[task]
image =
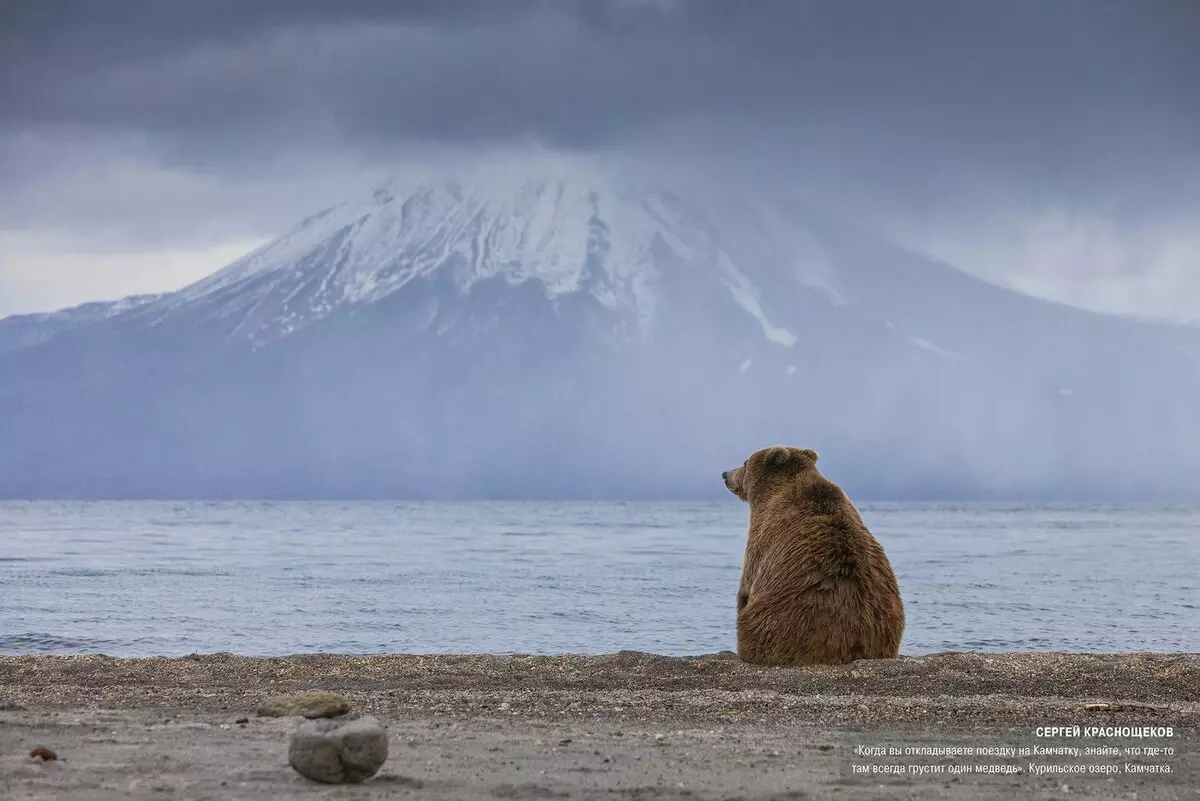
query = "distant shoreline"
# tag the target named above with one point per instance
(1185, 502)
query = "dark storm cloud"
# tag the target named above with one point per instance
(917, 101)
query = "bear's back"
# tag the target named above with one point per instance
(813, 522)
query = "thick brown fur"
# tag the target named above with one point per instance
(816, 587)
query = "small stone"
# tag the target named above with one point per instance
(309, 704)
(242, 721)
(337, 751)
(43, 753)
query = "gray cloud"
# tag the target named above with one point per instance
(887, 109)
(1020, 85)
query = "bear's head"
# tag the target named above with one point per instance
(768, 469)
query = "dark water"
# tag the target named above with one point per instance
(274, 578)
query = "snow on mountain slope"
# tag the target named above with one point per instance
(26, 330)
(559, 328)
(567, 225)
(593, 239)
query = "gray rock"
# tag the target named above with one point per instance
(309, 704)
(338, 751)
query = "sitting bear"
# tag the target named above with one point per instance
(816, 587)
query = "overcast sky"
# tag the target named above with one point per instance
(1053, 145)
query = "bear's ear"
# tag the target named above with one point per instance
(809, 454)
(777, 456)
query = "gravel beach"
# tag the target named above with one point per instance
(625, 725)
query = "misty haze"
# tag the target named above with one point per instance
(543, 327)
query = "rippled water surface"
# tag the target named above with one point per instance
(274, 578)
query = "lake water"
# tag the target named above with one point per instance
(135, 579)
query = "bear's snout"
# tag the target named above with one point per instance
(733, 481)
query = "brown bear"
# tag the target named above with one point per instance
(816, 587)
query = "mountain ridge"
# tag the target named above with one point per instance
(581, 334)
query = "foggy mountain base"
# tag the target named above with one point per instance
(559, 338)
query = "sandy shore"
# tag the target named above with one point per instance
(626, 725)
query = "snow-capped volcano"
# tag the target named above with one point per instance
(569, 227)
(563, 328)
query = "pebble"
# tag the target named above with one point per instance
(308, 704)
(338, 751)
